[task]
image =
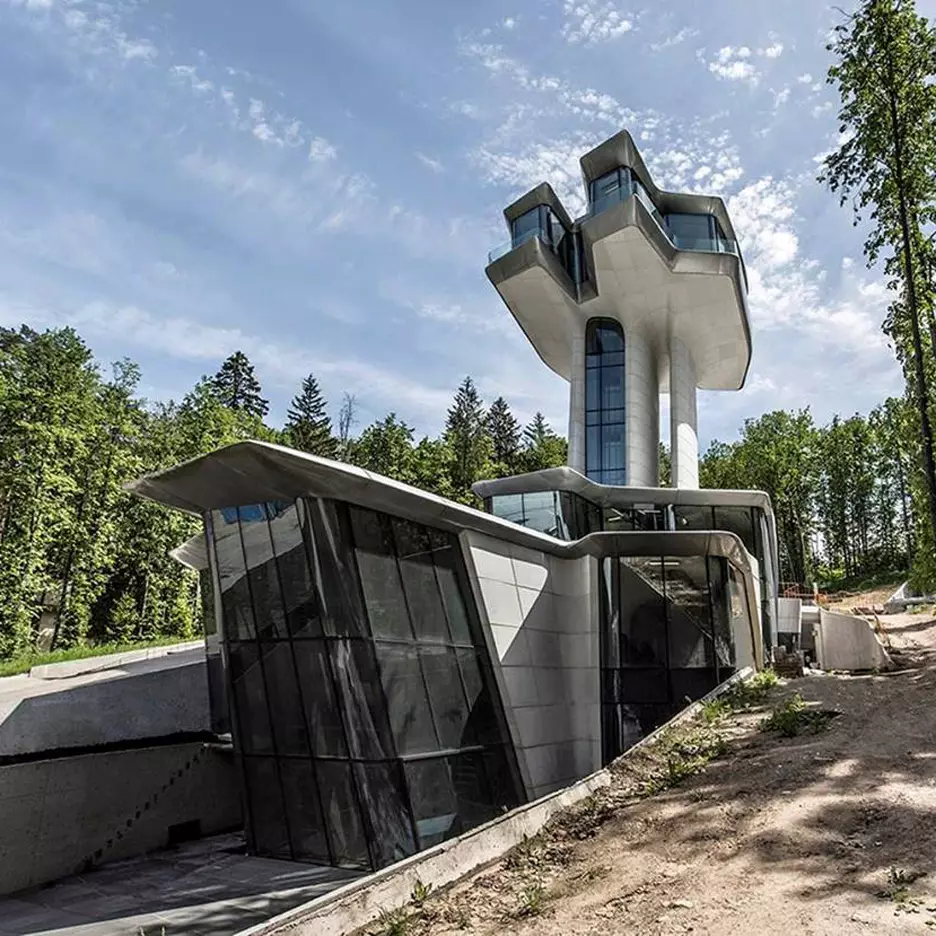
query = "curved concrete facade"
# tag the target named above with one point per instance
(680, 300)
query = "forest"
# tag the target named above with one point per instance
(82, 561)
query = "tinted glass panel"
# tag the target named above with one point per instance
(433, 797)
(472, 794)
(323, 716)
(605, 457)
(267, 819)
(383, 798)
(405, 690)
(250, 699)
(301, 605)
(303, 811)
(419, 581)
(446, 695)
(285, 703)
(740, 521)
(342, 814)
(380, 575)
(363, 708)
(445, 559)
(482, 726)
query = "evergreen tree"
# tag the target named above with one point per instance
(504, 430)
(386, 447)
(236, 386)
(307, 424)
(466, 433)
(542, 448)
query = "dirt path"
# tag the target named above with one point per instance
(786, 836)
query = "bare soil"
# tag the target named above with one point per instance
(786, 836)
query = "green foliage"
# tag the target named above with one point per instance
(752, 692)
(505, 438)
(468, 438)
(393, 923)
(683, 754)
(308, 427)
(792, 716)
(885, 73)
(542, 448)
(531, 900)
(420, 893)
(236, 387)
(26, 661)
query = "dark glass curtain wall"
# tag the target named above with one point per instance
(665, 639)
(365, 712)
(604, 402)
(562, 514)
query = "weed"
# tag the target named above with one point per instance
(531, 900)
(420, 893)
(792, 717)
(753, 692)
(684, 755)
(898, 891)
(715, 710)
(526, 854)
(392, 923)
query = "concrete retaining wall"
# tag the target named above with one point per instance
(56, 814)
(844, 642)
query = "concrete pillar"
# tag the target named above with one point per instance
(642, 415)
(684, 433)
(577, 400)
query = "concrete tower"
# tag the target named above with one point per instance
(645, 293)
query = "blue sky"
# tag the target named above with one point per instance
(318, 185)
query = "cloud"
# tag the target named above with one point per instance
(773, 51)
(430, 163)
(676, 39)
(591, 21)
(320, 150)
(509, 22)
(737, 63)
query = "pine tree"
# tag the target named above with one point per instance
(237, 388)
(542, 447)
(307, 424)
(504, 430)
(466, 433)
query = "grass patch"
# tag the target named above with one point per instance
(392, 923)
(683, 755)
(792, 717)
(25, 662)
(531, 900)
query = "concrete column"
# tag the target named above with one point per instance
(684, 433)
(577, 400)
(642, 415)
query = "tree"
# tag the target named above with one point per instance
(237, 388)
(504, 430)
(466, 433)
(666, 467)
(386, 447)
(307, 424)
(542, 448)
(885, 69)
(346, 419)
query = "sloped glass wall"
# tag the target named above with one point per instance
(365, 713)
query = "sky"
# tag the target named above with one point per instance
(318, 184)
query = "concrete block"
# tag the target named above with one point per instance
(501, 602)
(493, 562)
(520, 685)
(508, 643)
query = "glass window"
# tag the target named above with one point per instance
(508, 507)
(691, 517)
(407, 705)
(253, 720)
(605, 416)
(318, 697)
(482, 726)
(267, 819)
(363, 707)
(444, 555)
(383, 798)
(287, 713)
(342, 814)
(527, 225)
(692, 231)
(443, 681)
(737, 520)
(380, 575)
(433, 796)
(419, 581)
(303, 810)
(300, 602)
(333, 567)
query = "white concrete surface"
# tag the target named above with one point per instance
(57, 814)
(844, 642)
(577, 397)
(149, 698)
(544, 644)
(204, 888)
(68, 668)
(789, 613)
(684, 420)
(642, 413)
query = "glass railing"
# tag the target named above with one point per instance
(516, 242)
(707, 244)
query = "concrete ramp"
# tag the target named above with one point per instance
(845, 642)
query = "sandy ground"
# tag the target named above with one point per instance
(790, 836)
